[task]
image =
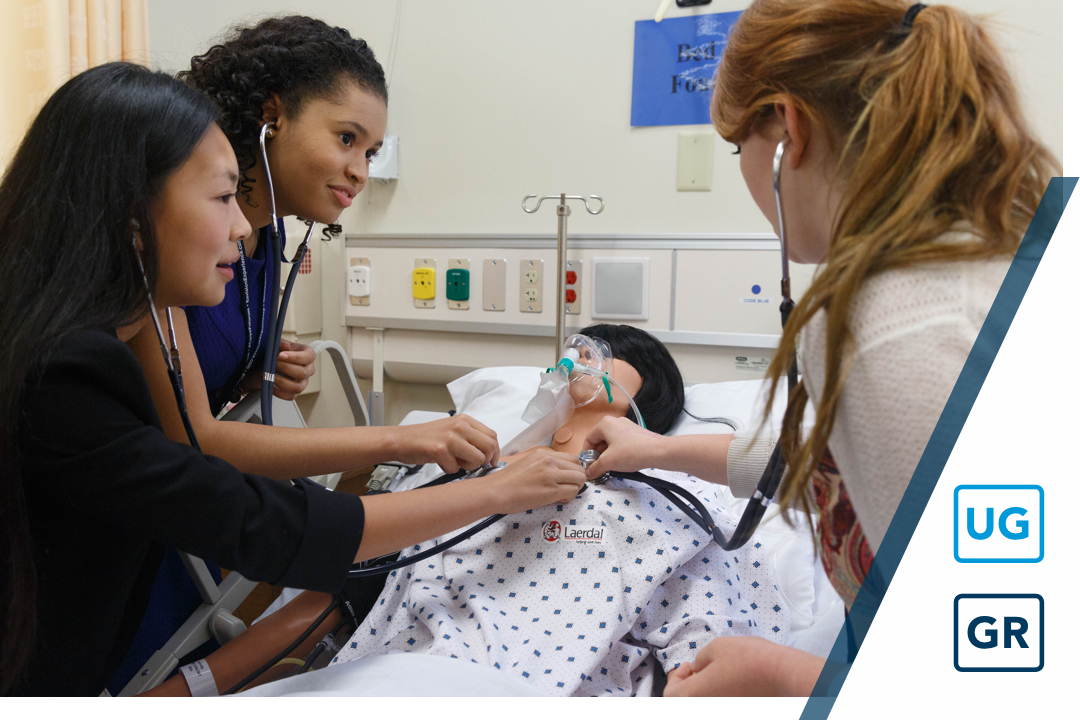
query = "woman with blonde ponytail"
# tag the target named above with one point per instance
(910, 176)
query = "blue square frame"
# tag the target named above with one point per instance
(956, 630)
(956, 524)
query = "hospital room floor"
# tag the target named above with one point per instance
(354, 482)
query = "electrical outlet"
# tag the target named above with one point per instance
(359, 281)
(354, 282)
(532, 286)
(574, 281)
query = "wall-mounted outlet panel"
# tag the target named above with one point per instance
(354, 282)
(359, 281)
(574, 282)
(495, 285)
(532, 286)
(457, 284)
(423, 283)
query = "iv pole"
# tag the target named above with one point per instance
(563, 211)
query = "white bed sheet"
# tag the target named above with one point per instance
(401, 675)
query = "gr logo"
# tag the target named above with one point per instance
(998, 524)
(998, 633)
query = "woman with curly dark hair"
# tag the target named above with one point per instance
(324, 95)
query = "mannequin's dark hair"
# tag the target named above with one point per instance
(296, 57)
(94, 160)
(661, 396)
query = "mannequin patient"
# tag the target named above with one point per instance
(583, 598)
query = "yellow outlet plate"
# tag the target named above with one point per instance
(423, 283)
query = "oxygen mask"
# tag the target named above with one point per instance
(582, 375)
(586, 365)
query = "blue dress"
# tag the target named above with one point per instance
(229, 339)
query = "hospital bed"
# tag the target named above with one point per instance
(496, 397)
(214, 618)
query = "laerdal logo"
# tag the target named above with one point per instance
(552, 531)
(581, 534)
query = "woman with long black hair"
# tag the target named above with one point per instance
(123, 169)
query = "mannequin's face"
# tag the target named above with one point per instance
(570, 437)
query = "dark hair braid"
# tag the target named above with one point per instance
(296, 57)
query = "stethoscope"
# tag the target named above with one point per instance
(774, 471)
(275, 257)
(169, 352)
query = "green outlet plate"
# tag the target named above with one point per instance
(457, 284)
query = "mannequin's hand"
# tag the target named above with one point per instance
(623, 445)
(454, 443)
(745, 666)
(537, 478)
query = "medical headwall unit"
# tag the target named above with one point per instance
(712, 299)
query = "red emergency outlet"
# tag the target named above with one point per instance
(571, 277)
(571, 296)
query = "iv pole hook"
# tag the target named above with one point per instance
(560, 263)
(562, 199)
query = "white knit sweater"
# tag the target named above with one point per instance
(912, 330)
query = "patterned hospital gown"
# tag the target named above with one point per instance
(582, 618)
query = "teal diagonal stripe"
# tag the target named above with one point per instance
(951, 422)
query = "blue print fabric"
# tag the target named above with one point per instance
(539, 596)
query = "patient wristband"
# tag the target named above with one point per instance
(200, 680)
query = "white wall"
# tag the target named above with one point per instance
(493, 100)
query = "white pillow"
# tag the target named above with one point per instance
(494, 396)
(497, 397)
(741, 400)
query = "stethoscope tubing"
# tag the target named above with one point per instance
(275, 256)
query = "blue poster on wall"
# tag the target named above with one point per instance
(674, 64)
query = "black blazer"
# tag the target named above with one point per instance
(107, 491)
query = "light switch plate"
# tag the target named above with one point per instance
(359, 301)
(494, 285)
(695, 171)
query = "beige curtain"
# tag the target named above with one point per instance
(43, 43)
